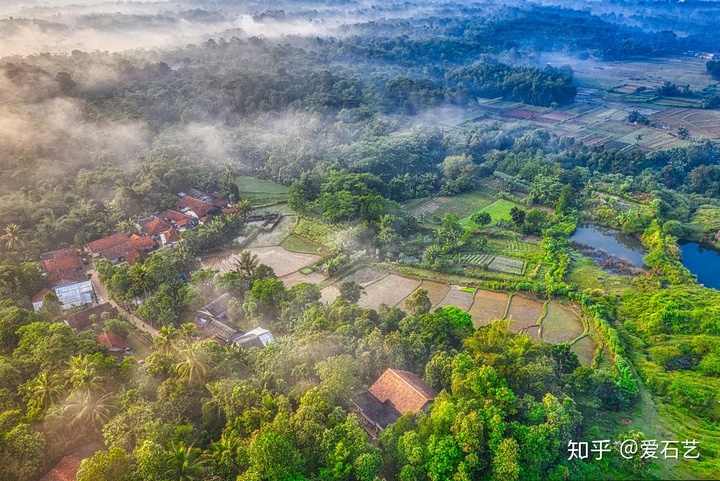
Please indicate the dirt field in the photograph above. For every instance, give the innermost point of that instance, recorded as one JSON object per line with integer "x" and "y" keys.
{"x": 436, "y": 291}
{"x": 329, "y": 294}
{"x": 283, "y": 262}
{"x": 561, "y": 325}
{"x": 523, "y": 313}
{"x": 532, "y": 331}
{"x": 458, "y": 298}
{"x": 389, "y": 290}
{"x": 364, "y": 276}
{"x": 488, "y": 306}
{"x": 298, "y": 277}
{"x": 585, "y": 350}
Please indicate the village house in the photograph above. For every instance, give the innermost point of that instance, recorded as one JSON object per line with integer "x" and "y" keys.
{"x": 64, "y": 273}
{"x": 86, "y": 318}
{"x": 199, "y": 209}
{"x": 121, "y": 247}
{"x": 212, "y": 322}
{"x": 65, "y": 470}
{"x": 115, "y": 345}
{"x": 179, "y": 220}
{"x": 395, "y": 393}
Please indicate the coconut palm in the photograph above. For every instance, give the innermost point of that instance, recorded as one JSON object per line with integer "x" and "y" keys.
{"x": 44, "y": 390}
{"x": 185, "y": 463}
{"x": 224, "y": 452}
{"x": 89, "y": 410}
{"x": 193, "y": 368}
{"x": 167, "y": 339}
{"x": 247, "y": 263}
{"x": 14, "y": 237}
{"x": 84, "y": 375}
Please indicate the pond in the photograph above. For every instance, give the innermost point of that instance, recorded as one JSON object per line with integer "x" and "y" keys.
{"x": 703, "y": 262}
{"x": 610, "y": 242}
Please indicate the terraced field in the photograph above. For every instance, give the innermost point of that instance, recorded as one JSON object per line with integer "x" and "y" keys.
{"x": 390, "y": 290}
{"x": 458, "y": 298}
{"x": 474, "y": 259}
{"x": 584, "y": 348}
{"x": 523, "y": 313}
{"x": 487, "y": 307}
{"x": 282, "y": 261}
{"x": 561, "y": 325}
{"x": 436, "y": 291}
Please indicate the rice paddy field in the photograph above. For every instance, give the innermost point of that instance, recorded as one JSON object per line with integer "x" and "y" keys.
{"x": 436, "y": 290}
{"x": 259, "y": 191}
{"x": 457, "y": 297}
{"x": 561, "y": 325}
{"x": 506, "y": 265}
{"x": 390, "y": 290}
{"x": 487, "y": 307}
{"x": 282, "y": 261}
{"x": 523, "y": 313}
{"x": 585, "y": 350}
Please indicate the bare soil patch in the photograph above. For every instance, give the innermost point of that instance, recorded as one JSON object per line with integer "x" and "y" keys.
{"x": 389, "y": 290}
{"x": 523, "y": 313}
{"x": 488, "y": 306}
{"x": 561, "y": 325}
{"x": 458, "y": 298}
{"x": 436, "y": 291}
{"x": 282, "y": 261}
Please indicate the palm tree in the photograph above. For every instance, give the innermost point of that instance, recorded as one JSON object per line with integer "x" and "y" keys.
{"x": 243, "y": 208}
{"x": 247, "y": 263}
{"x": 13, "y": 237}
{"x": 89, "y": 410}
{"x": 228, "y": 174}
{"x": 193, "y": 368}
{"x": 140, "y": 275}
{"x": 185, "y": 463}
{"x": 84, "y": 376}
{"x": 167, "y": 339}
{"x": 224, "y": 452}
{"x": 44, "y": 390}
{"x": 127, "y": 226}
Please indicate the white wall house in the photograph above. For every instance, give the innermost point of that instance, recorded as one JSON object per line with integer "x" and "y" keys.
{"x": 72, "y": 294}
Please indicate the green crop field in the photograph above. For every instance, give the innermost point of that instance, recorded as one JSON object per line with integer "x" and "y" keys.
{"x": 298, "y": 244}
{"x": 259, "y": 191}
{"x": 499, "y": 210}
{"x": 506, "y": 265}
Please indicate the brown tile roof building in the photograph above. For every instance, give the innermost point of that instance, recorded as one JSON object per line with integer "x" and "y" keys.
{"x": 155, "y": 226}
{"x": 108, "y": 247}
{"x": 61, "y": 260}
{"x": 170, "y": 236}
{"x": 65, "y": 470}
{"x": 82, "y": 320}
{"x": 395, "y": 393}
{"x": 198, "y": 207}
{"x": 113, "y": 342}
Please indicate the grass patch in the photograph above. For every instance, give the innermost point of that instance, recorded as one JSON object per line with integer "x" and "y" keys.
{"x": 498, "y": 210}
{"x": 315, "y": 230}
{"x": 562, "y": 325}
{"x": 468, "y": 289}
{"x": 465, "y": 204}
{"x": 259, "y": 191}
{"x": 140, "y": 349}
{"x": 295, "y": 243}
{"x": 306, "y": 270}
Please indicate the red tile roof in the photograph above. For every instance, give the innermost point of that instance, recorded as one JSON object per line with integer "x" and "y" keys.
{"x": 65, "y": 470}
{"x": 170, "y": 236}
{"x": 61, "y": 260}
{"x": 132, "y": 256}
{"x": 113, "y": 341}
{"x": 142, "y": 243}
{"x": 156, "y": 226}
{"x": 403, "y": 389}
{"x": 40, "y": 295}
{"x": 100, "y": 246}
{"x": 174, "y": 216}
{"x": 81, "y": 320}
{"x": 199, "y": 207}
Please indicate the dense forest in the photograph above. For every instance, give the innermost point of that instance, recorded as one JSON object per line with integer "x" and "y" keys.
{"x": 359, "y": 115}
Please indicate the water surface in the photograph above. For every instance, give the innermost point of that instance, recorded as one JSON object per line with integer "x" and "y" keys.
{"x": 703, "y": 262}
{"x": 612, "y": 241}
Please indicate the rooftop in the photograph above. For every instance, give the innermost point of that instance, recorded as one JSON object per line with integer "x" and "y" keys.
{"x": 82, "y": 320}
{"x": 403, "y": 389}
{"x": 113, "y": 341}
{"x": 155, "y": 226}
{"x": 65, "y": 470}
{"x": 199, "y": 207}
{"x": 101, "y": 245}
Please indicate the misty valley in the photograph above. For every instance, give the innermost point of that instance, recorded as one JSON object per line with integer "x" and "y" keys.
{"x": 344, "y": 240}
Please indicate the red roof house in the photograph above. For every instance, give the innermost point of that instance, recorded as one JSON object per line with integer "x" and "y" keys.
{"x": 113, "y": 343}
{"x": 84, "y": 319}
{"x": 194, "y": 207}
{"x": 65, "y": 470}
{"x": 155, "y": 227}
{"x": 108, "y": 247}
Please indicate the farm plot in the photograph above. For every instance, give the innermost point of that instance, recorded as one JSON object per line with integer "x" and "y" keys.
{"x": 364, "y": 276}
{"x": 506, "y": 265}
{"x": 298, "y": 277}
{"x": 488, "y": 306}
{"x": 458, "y": 298}
{"x": 390, "y": 290}
{"x": 523, "y": 313}
{"x": 561, "y": 325}
{"x": 474, "y": 259}
{"x": 532, "y": 331}
{"x": 329, "y": 294}
{"x": 585, "y": 350}
{"x": 283, "y": 262}
{"x": 274, "y": 237}
{"x": 436, "y": 291}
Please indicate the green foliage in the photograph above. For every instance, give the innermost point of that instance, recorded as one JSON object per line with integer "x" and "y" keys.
{"x": 103, "y": 465}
